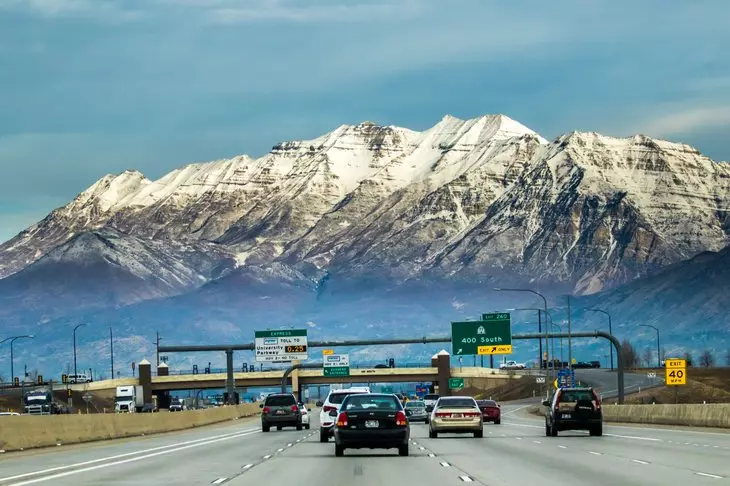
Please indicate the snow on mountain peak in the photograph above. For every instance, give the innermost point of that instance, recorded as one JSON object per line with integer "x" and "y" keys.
{"x": 112, "y": 190}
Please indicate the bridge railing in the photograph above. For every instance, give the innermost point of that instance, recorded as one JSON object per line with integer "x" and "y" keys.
{"x": 285, "y": 366}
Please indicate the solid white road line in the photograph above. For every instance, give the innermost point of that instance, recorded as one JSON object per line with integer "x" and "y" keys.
{"x": 248, "y": 466}
{"x": 219, "y": 480}
{"x": 639, "y": 461}
{"x": 120, "y": 456}
{"x": 133, "y": 459}
{"x": 714, "y": 476}
{"x": 466, "y": 479}
{"x": 595, "y": 453}
{"x": 445, "y": 464}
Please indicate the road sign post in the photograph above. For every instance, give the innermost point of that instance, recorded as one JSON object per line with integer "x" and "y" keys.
{"x": 491, "y": 335}
{"x": 675, "y": 372}
{"x": 336, "y": 365}
{"x": 281, "y": 345}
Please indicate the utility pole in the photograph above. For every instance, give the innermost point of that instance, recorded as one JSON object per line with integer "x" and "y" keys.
{"x": 158, "y": 348}
{"x": 111, "y": 347}
{"x": 570, "y": 339}
{"x": 539, "y": 331}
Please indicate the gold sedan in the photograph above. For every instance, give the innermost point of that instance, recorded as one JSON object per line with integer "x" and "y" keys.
{"x": 456, "y": 415}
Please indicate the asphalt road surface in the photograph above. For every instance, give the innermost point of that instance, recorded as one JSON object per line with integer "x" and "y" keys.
{"x": 515, "y": 453}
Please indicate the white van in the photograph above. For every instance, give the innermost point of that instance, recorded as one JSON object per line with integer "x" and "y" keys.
{"x": 332, "y": 404}
{"x": 80, "y": 378}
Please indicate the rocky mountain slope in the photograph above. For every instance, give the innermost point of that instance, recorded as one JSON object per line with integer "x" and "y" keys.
{"x": 106, "y": 268}
{"x": 472, "y": 200}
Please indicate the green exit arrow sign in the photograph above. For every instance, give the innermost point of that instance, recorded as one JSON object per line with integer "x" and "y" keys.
{"x": 456, "y": 383}
{"x": 491, "y": 335}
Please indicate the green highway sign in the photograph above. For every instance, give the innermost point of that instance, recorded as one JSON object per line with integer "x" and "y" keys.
{"x": 491, "y": 335}
{"x": 280, "y": 345}
{"x": 336, "y": 365}
{"x": 456, "y": 383}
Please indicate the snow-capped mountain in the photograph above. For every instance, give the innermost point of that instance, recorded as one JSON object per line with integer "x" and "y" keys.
{"x": 465, "y": 199}
{"x": 106, "y": 268}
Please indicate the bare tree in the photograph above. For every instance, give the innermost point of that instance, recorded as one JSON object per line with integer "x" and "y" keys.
{"x": 707, "y": 360}
{"x": 629, "y": 356}
{"x": 648, "y": 357}
{"x": 688, "y": 358}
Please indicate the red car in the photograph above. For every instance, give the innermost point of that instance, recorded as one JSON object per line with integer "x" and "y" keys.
{"x": 490, "y": 411}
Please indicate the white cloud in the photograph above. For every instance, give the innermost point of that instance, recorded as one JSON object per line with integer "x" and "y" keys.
{"x": 686, "y": 121}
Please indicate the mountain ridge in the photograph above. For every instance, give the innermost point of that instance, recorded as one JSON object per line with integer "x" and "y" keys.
{"x": 466, "y": 199}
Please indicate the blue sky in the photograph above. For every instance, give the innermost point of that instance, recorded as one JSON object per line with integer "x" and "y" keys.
{"x": 90, "y": 87}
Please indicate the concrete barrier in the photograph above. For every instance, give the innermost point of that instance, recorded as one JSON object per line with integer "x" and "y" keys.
{"x": 693, "y": 415}
{"x": 687, "y": 414}
{"x": 28, "y": 431}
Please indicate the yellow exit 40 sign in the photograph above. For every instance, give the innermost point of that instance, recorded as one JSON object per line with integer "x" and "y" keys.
{"x": 676, "y": 372}
{"x": 502, "y": 349}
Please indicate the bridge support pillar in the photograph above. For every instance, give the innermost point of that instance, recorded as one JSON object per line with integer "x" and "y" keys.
{"x": 443, "y": 365}
{"x": 295, "y": 389}
{"x": 230, "y": 381}
{"x": 145, "y": 380}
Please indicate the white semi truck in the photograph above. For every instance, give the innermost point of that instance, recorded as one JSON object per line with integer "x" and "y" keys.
{"x": 129, "y": 399}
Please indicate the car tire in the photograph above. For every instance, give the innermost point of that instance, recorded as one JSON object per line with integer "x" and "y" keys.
{"x": 403, "y": 450}
{"x": 547, "y": 430}
{"x": 497, "y": 422}
{"x": 323, "y": 437}
{"x": 553, "y": 431}
{"x": 279, "y": 427}
{"x": 597, "y": 431}
{"x": 306, "y": 426}
{"x": 478, "y": 434}
{"x": 432, "y": 434}
{"x": 265, "y": 428}
{"x": 299, "y": 426}
{"x": 339, "y": 451}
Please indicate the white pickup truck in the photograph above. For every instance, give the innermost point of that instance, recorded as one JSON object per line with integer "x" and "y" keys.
{"x": 512, "y": 365}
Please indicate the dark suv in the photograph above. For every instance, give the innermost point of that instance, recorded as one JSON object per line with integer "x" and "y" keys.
{"x": 573, "y": 409}
{"x": 280, "y": 410}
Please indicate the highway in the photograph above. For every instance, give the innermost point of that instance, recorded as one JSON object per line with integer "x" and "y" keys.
{"x": 514, "y": 453}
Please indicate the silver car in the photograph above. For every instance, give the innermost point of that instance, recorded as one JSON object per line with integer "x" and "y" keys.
{"x": 416, "y": 411}
{"x": 456, "y": 415}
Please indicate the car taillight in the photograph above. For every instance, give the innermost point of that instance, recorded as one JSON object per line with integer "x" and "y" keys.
{"x": 266, "y": 410}
{"x": 598, "y": 401}
{"x": 443, "y": 414}
{"x": 328, "y": 408}
{"x": 473, "y": 414}
{"x": 400, "y": 418}
{"x": 342, "y": 419}
{"x": 294, "y": 408}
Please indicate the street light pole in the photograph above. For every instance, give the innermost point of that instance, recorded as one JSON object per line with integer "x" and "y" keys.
{"x": 12, "y": 339}
{"x": 111, "y": 348}
{"x": 547, "y": 328}
{"x": 539, "y": 330}
{"x": 658, "y": 353}
{"x": 75, "y": 328}
{"x": 610, "y": 329}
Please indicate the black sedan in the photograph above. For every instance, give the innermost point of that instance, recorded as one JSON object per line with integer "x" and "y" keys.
{"x": 371, "y": 421}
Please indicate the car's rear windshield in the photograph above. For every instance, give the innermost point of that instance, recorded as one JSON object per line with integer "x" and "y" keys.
{"x": 337, "y": 398}
{"x": 486, "y": 403}
{"x": 431, "y": 397}
{"x": 280, "y": 401}
{"x": 576, "y": 395}
{"x": 369, "y": 402}
{"x": 415, "y": 405}
{"x": 456, "y": 403}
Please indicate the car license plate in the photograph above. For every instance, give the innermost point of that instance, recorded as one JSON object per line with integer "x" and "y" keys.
{"x": 279, "y": 412}
{"x": 458, "y": 415}
{"x": 566, "y": 416}
{"x": 371, "y": 424}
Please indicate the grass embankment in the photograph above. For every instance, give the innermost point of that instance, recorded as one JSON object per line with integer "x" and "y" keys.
{"x": 11, "y": 400}
{"x": 704, "y": 385}
{"x": 502, "y": 390}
